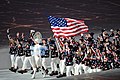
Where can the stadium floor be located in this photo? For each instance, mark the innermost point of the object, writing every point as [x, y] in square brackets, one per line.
[5, 74]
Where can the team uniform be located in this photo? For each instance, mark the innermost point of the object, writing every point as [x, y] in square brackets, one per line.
[54, 58]
[12, 53]
[20, 55]
[12, 50]
[88, 60]
[62, 65]
[78, 65]
[29, 58]
[44, 52]
[69, 64]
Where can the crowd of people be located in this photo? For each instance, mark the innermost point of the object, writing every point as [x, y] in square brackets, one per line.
[68, 56]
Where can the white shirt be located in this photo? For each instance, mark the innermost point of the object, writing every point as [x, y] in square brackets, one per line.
[37, 49]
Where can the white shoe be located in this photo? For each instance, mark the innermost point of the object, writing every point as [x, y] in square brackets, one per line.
[33, 77]
[44, 75]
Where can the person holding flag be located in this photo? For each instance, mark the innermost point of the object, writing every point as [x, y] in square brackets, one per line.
[66, 27]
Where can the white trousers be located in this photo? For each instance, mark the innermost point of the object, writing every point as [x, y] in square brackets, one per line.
[17, 59]
[35, 64]
[12, 58]
[68, 70]
[31, 61]
[93, 70]
[54, 64]
[78, 69]
[44, 63]
[96, 70]
[86, 69]
[62, 66]
[37, 59]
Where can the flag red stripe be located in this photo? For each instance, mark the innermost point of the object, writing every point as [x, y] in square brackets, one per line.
[66, 28]
[73, 20]
[58, 36]
[81, 24]
[84, 30]
[72, 31]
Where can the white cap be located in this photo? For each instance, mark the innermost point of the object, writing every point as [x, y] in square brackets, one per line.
[111, 29]
[31, 31]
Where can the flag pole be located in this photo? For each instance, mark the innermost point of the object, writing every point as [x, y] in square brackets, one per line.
[58, 44]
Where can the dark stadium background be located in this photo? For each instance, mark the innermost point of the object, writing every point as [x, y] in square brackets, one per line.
[24, 15]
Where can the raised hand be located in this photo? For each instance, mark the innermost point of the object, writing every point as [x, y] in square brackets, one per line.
[8, 30]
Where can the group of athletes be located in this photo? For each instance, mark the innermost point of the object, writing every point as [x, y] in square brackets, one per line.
[73, 57]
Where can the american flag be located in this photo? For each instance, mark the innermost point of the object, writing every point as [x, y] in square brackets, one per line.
[66, 27]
